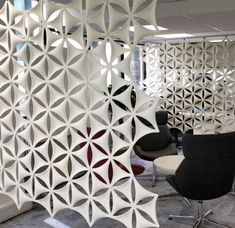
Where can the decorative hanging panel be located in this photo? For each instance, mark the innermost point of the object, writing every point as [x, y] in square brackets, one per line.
[194, 82]
[68, 120]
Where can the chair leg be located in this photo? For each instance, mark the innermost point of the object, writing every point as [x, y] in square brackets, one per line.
[175, 194]
[187, 202]
[201, 218]
[199, 213]
[154, 176]
[233, 187]
[232, 192]
[198, 223]
[210, 212]
[216, 223]
[181, 217]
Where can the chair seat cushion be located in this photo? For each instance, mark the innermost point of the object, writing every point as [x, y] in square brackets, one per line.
[152, 155]
[156, 141]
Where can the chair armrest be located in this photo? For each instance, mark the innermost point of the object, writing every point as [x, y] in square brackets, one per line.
[138, 149]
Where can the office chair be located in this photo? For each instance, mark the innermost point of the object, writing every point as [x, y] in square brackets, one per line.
[155, 145]
[206, 172]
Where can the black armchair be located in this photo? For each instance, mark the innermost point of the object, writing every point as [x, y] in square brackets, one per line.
[155, 145]
[207, 172]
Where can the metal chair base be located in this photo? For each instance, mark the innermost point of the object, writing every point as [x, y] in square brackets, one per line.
[232, 192]
[200, 219]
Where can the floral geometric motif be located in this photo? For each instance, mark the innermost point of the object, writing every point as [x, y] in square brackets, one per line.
[66, 135]
[194, 82]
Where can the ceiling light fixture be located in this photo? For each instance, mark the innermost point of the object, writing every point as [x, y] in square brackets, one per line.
[216, 41]
[150, 27]
[177, 35]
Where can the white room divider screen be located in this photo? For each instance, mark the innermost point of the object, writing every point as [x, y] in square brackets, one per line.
[194, 81]
[66, 136]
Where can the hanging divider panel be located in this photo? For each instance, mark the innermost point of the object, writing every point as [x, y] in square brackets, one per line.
[194, 82]
[66, 135]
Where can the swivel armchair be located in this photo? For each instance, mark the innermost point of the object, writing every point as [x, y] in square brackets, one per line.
[207, 171]
[154, 145]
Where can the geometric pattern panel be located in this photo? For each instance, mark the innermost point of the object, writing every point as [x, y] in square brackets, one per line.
[194, 82]
[68, 121]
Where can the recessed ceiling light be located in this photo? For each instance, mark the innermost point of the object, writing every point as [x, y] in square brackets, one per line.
[161, 28]
[150, 27]
[215, 41]
[177, 35]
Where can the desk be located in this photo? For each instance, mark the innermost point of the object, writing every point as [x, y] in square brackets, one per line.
[166, 165]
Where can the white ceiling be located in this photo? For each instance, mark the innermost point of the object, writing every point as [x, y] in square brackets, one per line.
[196, 17]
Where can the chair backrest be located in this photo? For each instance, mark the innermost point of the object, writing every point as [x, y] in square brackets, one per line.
[160, 140]
[161, 117]
[208, 169]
